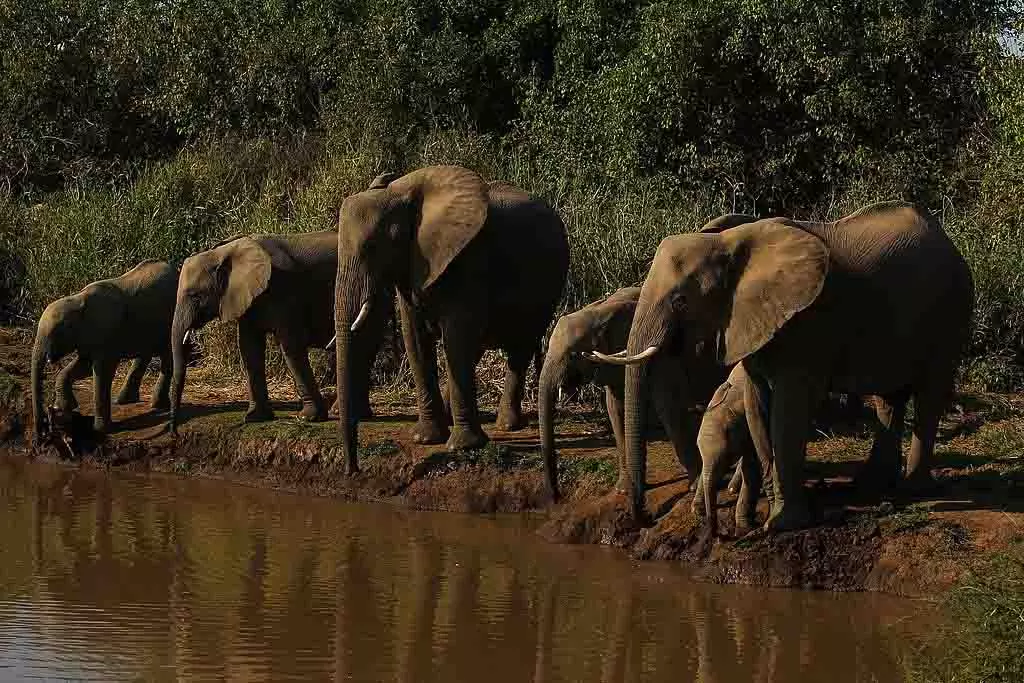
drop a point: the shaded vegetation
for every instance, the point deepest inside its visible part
(986, 639)
(152, 129)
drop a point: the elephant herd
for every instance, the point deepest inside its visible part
(736, 335)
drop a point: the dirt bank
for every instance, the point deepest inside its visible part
(903, 545)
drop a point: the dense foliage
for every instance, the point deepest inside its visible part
(148, 127)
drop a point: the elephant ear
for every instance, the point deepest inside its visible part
(726, 221)
(383, 180)
(246, 268)
(452, 204)
(778, 271)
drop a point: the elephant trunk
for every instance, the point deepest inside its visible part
(184, 319)
(40, 352)
(552, 375)
(649, 330)
(352, 294)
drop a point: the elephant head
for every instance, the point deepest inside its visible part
(733, 289)
(219, 283)
(600, 326)
(404, 234)
(56, 337)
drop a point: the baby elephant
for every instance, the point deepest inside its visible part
(724, 437)
(108, 321)
(681, 382)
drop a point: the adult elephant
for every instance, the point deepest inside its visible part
(108, 321)
(482, 265)
(569, 363)
(879, 302)
(277, 284)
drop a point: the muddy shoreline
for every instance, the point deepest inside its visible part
(898, 544)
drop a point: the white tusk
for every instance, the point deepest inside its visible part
(363, 312)
(622, 359)
(560, 394)
(331, 343)
(593, 355)
(188, 336)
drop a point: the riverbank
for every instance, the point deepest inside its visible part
(904, 545)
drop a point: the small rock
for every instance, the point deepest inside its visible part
(886, 508)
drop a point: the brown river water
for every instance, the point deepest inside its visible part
(130, 577)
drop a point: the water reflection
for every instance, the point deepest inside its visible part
(159, 578)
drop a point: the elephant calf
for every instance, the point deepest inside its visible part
(108, 321)
(725, 437)
(277, 284)
(682, 382)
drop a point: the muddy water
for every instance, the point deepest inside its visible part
(157, 578)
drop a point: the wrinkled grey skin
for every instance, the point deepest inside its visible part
(878, 303)
(477, 265)
(604, 326)
(107, 322)
(277, 284)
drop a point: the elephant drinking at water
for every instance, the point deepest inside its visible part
(108, 321)
(680, 383)
(877, 303)
(480, 265)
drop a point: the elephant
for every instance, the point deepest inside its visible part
(877, 303)
(106, 322)
(279, 284)
(604, 326)
(480, 265)
(724, 437)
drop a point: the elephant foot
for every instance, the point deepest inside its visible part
(746, 519)
(128, 397)
(312, 412)
(160, 404)
(429, 433)
(511, 421)
(788, 517)
(698, 497)
(66, 404)
(920, 481)
(258, 414)
(623, 486)
(101, 426)
(466, 439)
(877, 475)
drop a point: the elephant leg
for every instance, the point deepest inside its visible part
(296, 356)
(756, 404)
(616, 415)
(884, 465)
(252, 345)
(130, 389)
(750, 476)
(421, 350)
(929, 405)
(462, 349)
(161, 399)
(789, 419)
(510, 410)
(79, 368)
(103, 378)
